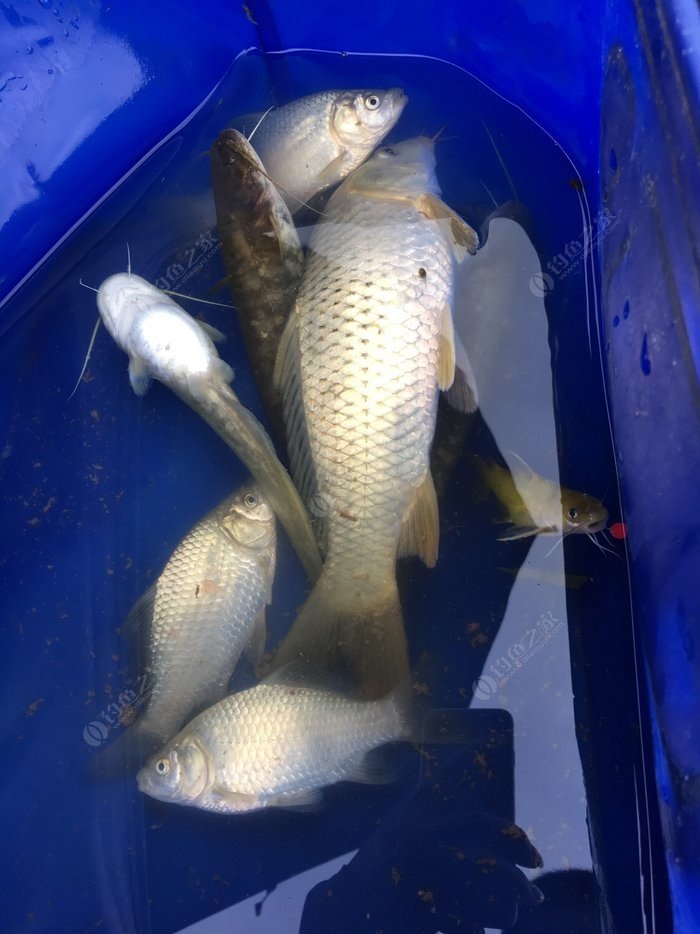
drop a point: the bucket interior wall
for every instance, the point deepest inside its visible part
(100, 112)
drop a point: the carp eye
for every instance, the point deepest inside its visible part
(389, 151)
(250, 500)
(372, 102)
(573, 513)
(162, 766)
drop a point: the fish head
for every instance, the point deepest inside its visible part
(363, 118)
(179, 772)
(407, 167)
(121, 298)
(582, 513)
(249, 519)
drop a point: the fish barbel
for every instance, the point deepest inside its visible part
(163, 342)
(274, 745)
(316, 141)
(262, 254)
(371, 338)
(207, 605)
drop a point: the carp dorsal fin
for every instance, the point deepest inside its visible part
(287, 380)
(420, 530)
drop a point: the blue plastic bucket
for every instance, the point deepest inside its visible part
(96, 102)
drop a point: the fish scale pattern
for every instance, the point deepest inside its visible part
(207, 600)
(368, 315)
(278, 739)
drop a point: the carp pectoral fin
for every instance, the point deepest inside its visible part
(332, 172)
(462, 394)
(446, 350)
(462, 234)
(258, 638)
(311, 800)
(420, 530)
(234, 800)
(214, 333)
(139, 377)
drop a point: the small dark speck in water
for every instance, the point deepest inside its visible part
(644, 359)
(616, 321)
(626, 310)
(47, 40)
(30, 49)
(576, 184)
(50, 71)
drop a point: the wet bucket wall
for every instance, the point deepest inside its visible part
(96, 100)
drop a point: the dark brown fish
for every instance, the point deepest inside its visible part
(262, 254)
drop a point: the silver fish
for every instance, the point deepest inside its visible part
(206, 606)
(275, 745)
(316, 141)
(163, 342)
(373, 342)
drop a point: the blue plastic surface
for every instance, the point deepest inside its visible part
(619, 87)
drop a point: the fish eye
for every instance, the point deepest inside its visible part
(250, 500)
(372, 102)
(162, 766)
(573, 513)
(389, 151)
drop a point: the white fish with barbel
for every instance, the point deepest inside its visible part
(371, 342)
(163, 342)
(275, 745)
(316, 141)
(206, 607)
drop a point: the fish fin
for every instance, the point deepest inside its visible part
(235, 800)
(524, 464)
(126, 753)
(462, 394)
(333, 172)
(139, 377)
(287, 378)
(371, 769)
(446, 349)
(214, 333)
(420, 530)
(517, 532)
(310, 801)
(287, 354)
(258, 637)
(462, 234)
(136, 629)
(369, 642)
(303, 673)
(225, 371)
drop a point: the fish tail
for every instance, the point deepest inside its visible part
(126, 753)
(368, 641)
(219, 406)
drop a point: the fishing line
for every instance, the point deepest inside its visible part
(279, 187)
